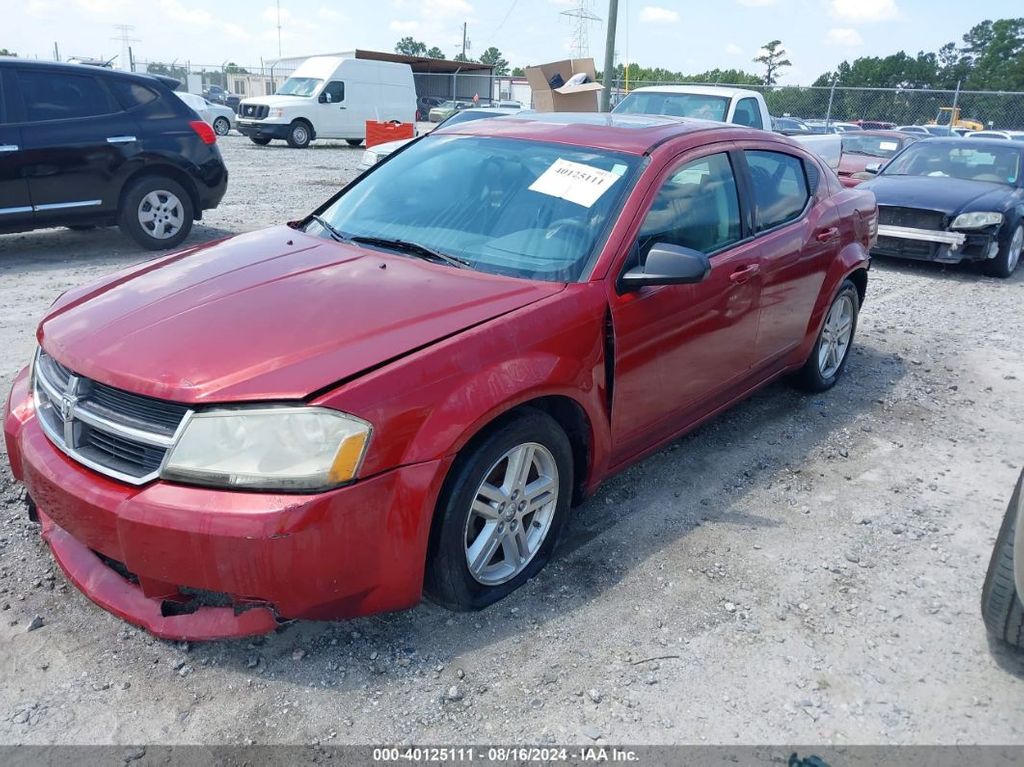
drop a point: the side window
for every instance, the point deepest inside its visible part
(780, 187)
(334, 92)
(748, 114)
(51, 96)
(129, 94)
(697, 207)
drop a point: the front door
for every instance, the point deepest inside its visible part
(678, 346)
(74, 141)
(334, 118)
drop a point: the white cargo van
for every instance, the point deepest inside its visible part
(330, 97)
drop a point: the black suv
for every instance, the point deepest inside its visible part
(85, 146)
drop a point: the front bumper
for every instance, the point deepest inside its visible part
(260, 129)
(949, 247)
(195, 563)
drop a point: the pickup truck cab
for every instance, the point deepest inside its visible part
(729, 105)
(330, 97)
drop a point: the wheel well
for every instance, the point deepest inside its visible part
(308, 124)
(574, 422)
(168, 171)
(860, 280)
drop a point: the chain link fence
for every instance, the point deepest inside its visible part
(901, 106)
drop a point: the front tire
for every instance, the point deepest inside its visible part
(353, 141)
(221, 126)
(501, 511)
(1006, 261)
(299, 135)
(1000, 603)
(156, 212)
(831, 350)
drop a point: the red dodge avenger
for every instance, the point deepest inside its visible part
(405, 392)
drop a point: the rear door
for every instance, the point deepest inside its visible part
(15, 205)
(75, 139)
(797, 229)
(680, 347)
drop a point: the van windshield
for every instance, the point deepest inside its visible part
(299, 86)
(700, 105)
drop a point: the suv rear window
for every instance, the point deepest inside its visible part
(60, 96)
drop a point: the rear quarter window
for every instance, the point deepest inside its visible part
(131, 95)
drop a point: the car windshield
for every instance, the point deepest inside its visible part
(698, 105)
(299, 86)
(469, 115)
(997, 164)
(873, 146)
(506, 206)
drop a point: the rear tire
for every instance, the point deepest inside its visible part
(831, 350)
(1000, 603)
(299, 134)
(259, 140)
(156, 212)
(487, 499)
(221, 126)
(353, 141)
(1006, 261)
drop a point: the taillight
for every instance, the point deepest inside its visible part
(204, 130)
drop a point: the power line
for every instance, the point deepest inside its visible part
(490, 38)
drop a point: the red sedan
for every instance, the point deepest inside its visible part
(405, 392)
(862, 149)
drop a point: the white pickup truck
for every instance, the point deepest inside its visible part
(730, 105)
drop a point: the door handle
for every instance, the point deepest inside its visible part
(120, 139)
(8, 147)
(744, 273)
(825, 235)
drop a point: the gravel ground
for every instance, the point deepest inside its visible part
(802, 569)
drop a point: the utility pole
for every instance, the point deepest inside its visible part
(609, 56)
(279, 28)
(56, 51)
(464, 25)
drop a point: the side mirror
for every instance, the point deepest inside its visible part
(667, 265)
(873, 167)
(325, 98)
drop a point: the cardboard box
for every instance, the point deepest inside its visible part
(567, 98)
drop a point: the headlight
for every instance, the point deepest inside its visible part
(977, 220)
(275, 114)
(269, 448)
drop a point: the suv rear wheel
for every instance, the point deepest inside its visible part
(259, 140)
(156, 212)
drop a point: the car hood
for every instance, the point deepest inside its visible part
(948, 195)
(275, 314)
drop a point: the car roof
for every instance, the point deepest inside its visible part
(57, 66)
(711, 90)
(893, 133)
(973, 143)
(631, 134)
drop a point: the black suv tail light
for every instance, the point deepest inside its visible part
(205, 132)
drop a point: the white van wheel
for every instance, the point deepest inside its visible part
(299, 135)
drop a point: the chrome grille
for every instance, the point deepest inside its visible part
(114, 432)
(255, 111)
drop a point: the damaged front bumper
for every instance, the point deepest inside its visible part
(200, 563)
(950, 246)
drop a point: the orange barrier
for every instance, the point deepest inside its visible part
(381, 133)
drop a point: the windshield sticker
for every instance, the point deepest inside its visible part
(575, 182)
(891, 145)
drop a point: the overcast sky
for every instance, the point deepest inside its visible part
(685, 35)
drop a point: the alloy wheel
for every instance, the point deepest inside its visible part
(511, 514)
(1016, 245)
(835, 336)
(161, 214)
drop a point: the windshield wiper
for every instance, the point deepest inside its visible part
(414, 249)
(329, 228)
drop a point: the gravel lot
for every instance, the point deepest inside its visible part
(802, 569)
